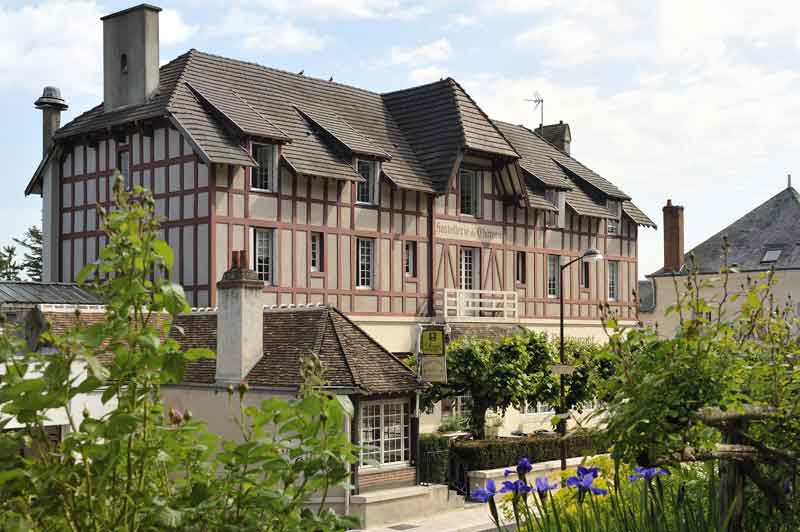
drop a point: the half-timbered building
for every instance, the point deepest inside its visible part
(396, 208)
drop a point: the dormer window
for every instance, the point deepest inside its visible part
(771, 255)
(263, 176)
(469, 190)
(615, 213)
(365, 192)
(558, 199)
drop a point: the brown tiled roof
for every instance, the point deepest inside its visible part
(637, 215)
(536, 156)
(350, 357)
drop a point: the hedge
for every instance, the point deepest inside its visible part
(492, 454)
(434, 455)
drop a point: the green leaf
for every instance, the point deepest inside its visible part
(85, 272)
(174, 298)
(196, 353)
(162, 249)
(96, 368)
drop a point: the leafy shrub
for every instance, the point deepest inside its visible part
(454, 424)
(491, 454)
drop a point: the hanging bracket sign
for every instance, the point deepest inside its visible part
(431, 359)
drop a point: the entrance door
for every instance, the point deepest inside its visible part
(470, 273)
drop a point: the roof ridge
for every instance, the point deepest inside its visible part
(282, 71)
(485, 115)
(180, 79)
(353, 373)
(416, 87)
(451, 83)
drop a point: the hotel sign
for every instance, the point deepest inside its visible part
(431, 359)
(485, 234)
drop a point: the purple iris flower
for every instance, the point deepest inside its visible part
(584, 483)
(484, 494)
(584, 471)
(524, 466)
(648, 473)
(543, 486)
(516, 486)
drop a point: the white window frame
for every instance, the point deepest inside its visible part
(530, 409)
(553, 275)
(370, 181)
(521, 262)
(469, 259)
(316, 251)
(410, 259)
(405, 427)
(256, 173)
(369, 259)
(613, 223)
(613, 280)
(268, 273)
(468, 175)
(558, 198)
(460, 406)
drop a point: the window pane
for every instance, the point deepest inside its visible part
(585, 276)
(364, 190)
(262, 246)
(123, 165)
(365, 261)
(262, 174)
(613, 280)
(411, 259)
(317, 254)
(469, 192)
(521, 267)
(468, 269)
(370, 434)
(553, 275)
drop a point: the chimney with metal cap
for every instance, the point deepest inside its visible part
(51, 104)
(130, 56)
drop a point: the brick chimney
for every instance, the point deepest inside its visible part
(240, 321)
(130, 56)
(558, 135)
(51, 104)
(673, 237)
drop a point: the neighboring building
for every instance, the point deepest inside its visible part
(398, 208)
(32, 306)
(766, 238)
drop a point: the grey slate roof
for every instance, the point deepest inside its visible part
(775, 224)
(25, 292)
(417, 132)
(349, 356)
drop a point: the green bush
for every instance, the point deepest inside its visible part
(491, 454)
(454, 424)
(434, 455)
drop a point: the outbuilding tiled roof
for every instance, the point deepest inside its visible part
(772, 226)
(28, 292)
(350, 357)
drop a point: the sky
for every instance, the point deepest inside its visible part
(692, 100)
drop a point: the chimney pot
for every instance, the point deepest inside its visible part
(51, 104)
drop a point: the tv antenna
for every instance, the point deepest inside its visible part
(538, 103)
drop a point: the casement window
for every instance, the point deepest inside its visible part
(264, 254)
(458, 406)
(613, 280)
(772, 255)
(124, 167)
(470, 268)
(615, 213)
(317, 252)
(585, 276)
(385, 432)
(521, 261)
(469, 192)
(365, 191)
(558, 198)
(263, 175)
(553, 275)
(365, 259)
(410, 258)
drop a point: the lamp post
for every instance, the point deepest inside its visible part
(590, 255)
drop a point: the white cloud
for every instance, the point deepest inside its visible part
(462, 19)
(56, 42)
(438, 50)
(423, 75)
(564, 41)
(395, 9)
(172, 29)
(262, 33)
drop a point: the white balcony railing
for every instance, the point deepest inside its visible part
(480, 305)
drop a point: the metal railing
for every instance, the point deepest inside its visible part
(480, 305)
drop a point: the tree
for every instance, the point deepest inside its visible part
(32, 258)
(9, 268)
(138, 467)
(722, 390)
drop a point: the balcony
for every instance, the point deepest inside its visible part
(480, 306)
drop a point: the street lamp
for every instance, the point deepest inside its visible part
(590, 255)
